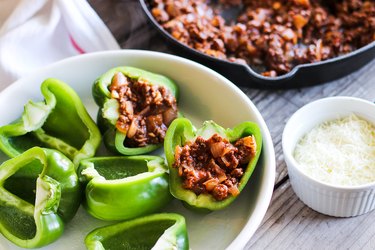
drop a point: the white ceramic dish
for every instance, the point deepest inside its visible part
(325, 198)
(204, 95)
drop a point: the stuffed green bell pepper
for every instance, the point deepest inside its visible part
(135, 109)
(210, 166)
(157, 232)
(60, 122)
(124, 187)
(39, 192)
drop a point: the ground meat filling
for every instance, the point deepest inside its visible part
(272, 36)
(214, 166)
(145, 110)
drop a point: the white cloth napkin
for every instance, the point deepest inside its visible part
(34, 33)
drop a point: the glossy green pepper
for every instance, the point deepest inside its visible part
(108, 107)
(182, 131)
(60, 122)
(157, 231)
(39, 192)
(124, 187)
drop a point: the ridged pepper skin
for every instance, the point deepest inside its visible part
(124, 187)
(181, 131)
(39, 192)
(59, 122)
(113, 139)
(157, 232)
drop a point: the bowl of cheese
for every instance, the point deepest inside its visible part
(329, 150)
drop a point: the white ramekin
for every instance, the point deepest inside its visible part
(325, 198)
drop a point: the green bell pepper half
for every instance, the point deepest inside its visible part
(39, 192)
(108, 107)
(181, 131)
(60, 122)
(124, 187)
(157, 232)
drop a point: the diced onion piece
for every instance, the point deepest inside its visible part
(225, 161)
(299, 21)
(132, 129)
(129, 109)
(249, 141)
(233, 190)
(222, 177)
(169, 115)
(217, 149)
(211, 184)
(119, 79)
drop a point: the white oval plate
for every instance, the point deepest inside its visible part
(204, 95)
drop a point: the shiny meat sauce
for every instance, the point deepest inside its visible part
(272, 36)
(214, 166)
(146, 110)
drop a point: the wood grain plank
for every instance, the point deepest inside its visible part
(289, 224)
(358, 84)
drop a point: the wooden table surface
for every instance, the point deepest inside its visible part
(288, 223)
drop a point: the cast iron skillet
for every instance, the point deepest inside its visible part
(243, 75)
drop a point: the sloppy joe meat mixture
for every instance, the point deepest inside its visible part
(272, 36)
(146, 110)
(214, 166)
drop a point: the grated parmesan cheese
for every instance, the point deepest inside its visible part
(339, 152)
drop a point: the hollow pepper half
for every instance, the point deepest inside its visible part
(124, 187)
(39, 192)
(109, 114)
(180, 132)
(157, 232)
(60, 122)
